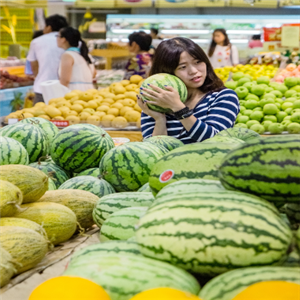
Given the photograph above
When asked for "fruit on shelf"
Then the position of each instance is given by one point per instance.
(12, 81)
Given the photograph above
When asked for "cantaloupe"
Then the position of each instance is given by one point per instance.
(26, 246)
(58, 220)
(7, 267)
(10, 198)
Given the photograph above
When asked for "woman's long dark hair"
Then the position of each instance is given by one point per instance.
(73, 37)
(167, 57)
(213, 44)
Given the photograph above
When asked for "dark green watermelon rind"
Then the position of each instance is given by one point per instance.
(167, 142)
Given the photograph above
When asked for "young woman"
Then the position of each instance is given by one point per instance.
(209, 107)
(76, 70)
(139, 44)
(221, 53)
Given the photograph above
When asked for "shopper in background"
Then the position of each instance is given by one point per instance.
(44, 55)
(156, 39)
(221, 53)
(209, 107)
(139, 44)
(76, 70)
(255, 42)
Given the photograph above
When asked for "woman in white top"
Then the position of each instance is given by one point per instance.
(76, 70)
(221, 53)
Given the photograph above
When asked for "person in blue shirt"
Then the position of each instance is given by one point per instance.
(209, 107)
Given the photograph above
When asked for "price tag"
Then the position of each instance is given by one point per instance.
(60, 123)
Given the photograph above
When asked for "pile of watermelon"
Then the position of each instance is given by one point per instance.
(223, 213)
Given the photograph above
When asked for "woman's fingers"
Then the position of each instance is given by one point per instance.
(156, 88)
(169, 88)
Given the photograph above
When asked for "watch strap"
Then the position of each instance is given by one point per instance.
(183, 113)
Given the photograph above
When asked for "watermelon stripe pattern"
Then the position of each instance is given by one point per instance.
(166, 141)
(128, 166)
(98, 187)
(145, 188)
(109, 204)
(79, 147)
(189, 233)
(95, 172)
(230, 284)
(267, 167)
(240, 133)
(194, 161)
(123, 276)
(292, 211)
(32, 138)
(12, 152)
(57, 174)
(160, 80)
(121, 224)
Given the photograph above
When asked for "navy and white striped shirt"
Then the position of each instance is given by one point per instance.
(214, 113)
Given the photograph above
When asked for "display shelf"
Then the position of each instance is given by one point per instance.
(17, 70)
(110, 55)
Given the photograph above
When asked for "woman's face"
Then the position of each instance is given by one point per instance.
(191, 71)
(219, 37)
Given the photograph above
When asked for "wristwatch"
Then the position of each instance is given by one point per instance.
(183, 113)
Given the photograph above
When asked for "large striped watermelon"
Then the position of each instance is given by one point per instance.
(228, 285)
(161, 80)
(123, 276)
(128, 166)
(145, 188)
(90, 172)
(12, 152)
(98, 187)
(32, 138)
(48, 127)
(292, 211)
(267, 167)
(210, 237)
(114, 202)
(224, 139)
(166, 141)
(58, 175)
(79, 147)
(194, 161)
(239, 133)
(121, 224)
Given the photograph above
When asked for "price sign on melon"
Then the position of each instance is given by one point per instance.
(60, 123)
(166, 176)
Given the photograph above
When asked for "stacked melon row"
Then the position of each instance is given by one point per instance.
(114, 106)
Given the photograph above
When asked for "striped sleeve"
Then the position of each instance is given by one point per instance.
(147, 125)
(222, 113)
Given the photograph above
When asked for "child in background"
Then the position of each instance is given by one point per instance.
(255, 42)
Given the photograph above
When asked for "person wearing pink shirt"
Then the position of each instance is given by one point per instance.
(255, 42)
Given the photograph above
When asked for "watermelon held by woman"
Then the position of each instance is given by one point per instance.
(161, 80)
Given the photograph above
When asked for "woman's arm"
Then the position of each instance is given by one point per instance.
(235, 55)
(66, 67)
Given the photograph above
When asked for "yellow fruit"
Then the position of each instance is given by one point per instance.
(73, 100)
(70, 95)
(45, 117)
(19, 113)
(53, 100)
(86, 96)
(64, 110)
(104, 108)
(108, 95)
(65, 287)
(135, 79)
(77, 92)
(112, 86)
(137, 108)
(128, 102)
(63, 103)
(73, 119)
(131, 95)
(124, 109)
(95, 120)
(132, 115)
(38, 112)
(119, 97)
(84, 115)
(39, 104)
(137, 91)
(125, 82)
(108, 100)
(52, 111)
(106, 120)
(12, 116)
(117, 105)
(138, 123)
(89, 110)
(58, 118)
(92, 91)
(119, 89)
(100, 114)
(27, 115)
(77, 107)
(72, 113)
(98, 97)
(92, 104)
(81, 102)
(119, 122)
(131, 87)
(29, 110)
(113, 111)
(140, 82)
(7, 267)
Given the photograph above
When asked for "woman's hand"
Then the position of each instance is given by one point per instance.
(154, 114)
(166, 98)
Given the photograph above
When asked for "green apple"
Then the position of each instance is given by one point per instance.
(287, 118)
(241, 125)
(290, 81)
(258, 108)
(281, 87)
(231, 84)
(297, 95)
(293, 128)
(289, 93)
(252, 96)
(250, 104)
(251, 122)
(269, 89)
(247, 112)
(274, 84)
(286, 105)
(242, 102)
(256, 115)
(285, 124)
(258, 90)
(295, 117)
(270, 109)
(296, 104)
(258, 128)
(289, 110)
(269, 95)
(279, 100)
(281, 115)
(248, 85)
(243, 80)
(263, 102)
(266, 124)
(263, 79)
(291, 99)
(249, 76)
(241, 92)
(242, 108)
(296, 88)
(295, 110)
(277, 93)
(275, 128)
(242, 119)
(237, 76)
(271, 118)
(278, 105)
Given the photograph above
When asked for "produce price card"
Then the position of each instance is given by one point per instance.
(60, 123)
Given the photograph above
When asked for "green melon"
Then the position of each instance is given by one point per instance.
(145, 188)
(51, 185)
(224, 139)
(239, 133)
(166, 141)
(90, 172)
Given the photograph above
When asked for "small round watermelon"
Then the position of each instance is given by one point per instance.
(12, 152)
(166, 141)
(243, 134)
(161, 80)
(90, 172)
